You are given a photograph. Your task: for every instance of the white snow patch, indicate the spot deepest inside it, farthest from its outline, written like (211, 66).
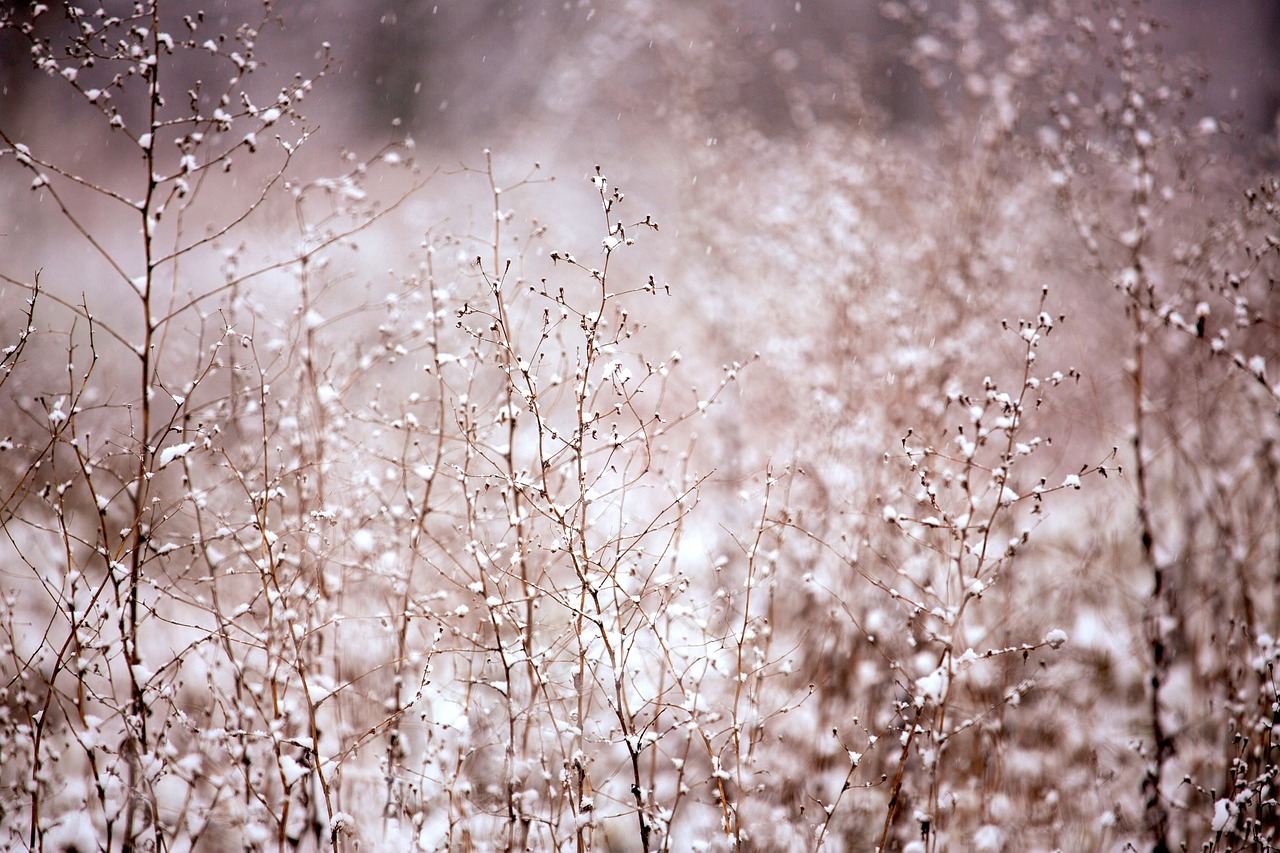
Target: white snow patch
(363, 541)
(933, 687)
(177, 451)
(1223, 814)
(1055, 638)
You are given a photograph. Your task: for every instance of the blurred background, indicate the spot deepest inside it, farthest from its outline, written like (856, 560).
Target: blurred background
(576, 79)
(717, 118)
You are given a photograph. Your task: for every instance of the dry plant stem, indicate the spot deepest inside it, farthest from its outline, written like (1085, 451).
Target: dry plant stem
(70, 216)
(962, 589)
(1139, 290)
(139, 741)
(1155, 615)
(140, 807)
(270, 572)
(36, 827)
(980, 568)
(518, 826)
(1136, 283)
(9, 360)
(895, 791)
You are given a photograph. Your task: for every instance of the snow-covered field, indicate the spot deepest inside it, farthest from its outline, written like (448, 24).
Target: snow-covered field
(798, 429)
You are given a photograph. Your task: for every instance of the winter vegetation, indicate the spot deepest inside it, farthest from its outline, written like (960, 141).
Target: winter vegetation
(895, 467)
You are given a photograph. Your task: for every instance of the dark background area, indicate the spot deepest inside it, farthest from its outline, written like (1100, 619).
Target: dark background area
(482, 72)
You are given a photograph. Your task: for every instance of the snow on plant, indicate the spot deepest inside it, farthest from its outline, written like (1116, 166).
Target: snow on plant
(304, 554)
(1188, 287)
(972, 493)
(148, 519)
(508, 530)
(970, 510)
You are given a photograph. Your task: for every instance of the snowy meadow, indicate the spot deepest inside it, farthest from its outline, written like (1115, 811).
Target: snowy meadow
(704, 427)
